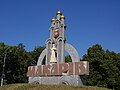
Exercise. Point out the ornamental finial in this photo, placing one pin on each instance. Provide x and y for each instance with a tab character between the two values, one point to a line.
62	17
53	20
59	12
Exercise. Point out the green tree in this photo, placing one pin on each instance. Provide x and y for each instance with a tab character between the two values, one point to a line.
36	53
68	58
16	64
17	61
104	67
2	45
95	56
111	67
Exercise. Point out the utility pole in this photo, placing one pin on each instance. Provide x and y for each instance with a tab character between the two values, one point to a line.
2	78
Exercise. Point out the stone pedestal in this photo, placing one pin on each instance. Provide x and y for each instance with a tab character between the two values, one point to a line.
74	80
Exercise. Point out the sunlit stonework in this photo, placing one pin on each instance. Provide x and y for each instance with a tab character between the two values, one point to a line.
54	70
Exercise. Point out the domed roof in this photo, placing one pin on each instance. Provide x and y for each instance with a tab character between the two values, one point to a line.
59	12
62	17
53	20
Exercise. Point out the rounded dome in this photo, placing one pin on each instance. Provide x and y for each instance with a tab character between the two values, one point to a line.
62	17
59	12
53	20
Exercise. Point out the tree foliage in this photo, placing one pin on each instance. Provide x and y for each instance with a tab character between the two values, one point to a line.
104	67
68	58
17	62
36	53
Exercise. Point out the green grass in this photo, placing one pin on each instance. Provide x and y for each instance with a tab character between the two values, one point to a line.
47	87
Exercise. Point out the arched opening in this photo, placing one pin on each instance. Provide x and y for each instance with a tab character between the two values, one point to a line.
65	83
49	42
36	82
72	52
44	60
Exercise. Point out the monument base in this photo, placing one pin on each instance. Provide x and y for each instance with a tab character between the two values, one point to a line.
74	80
